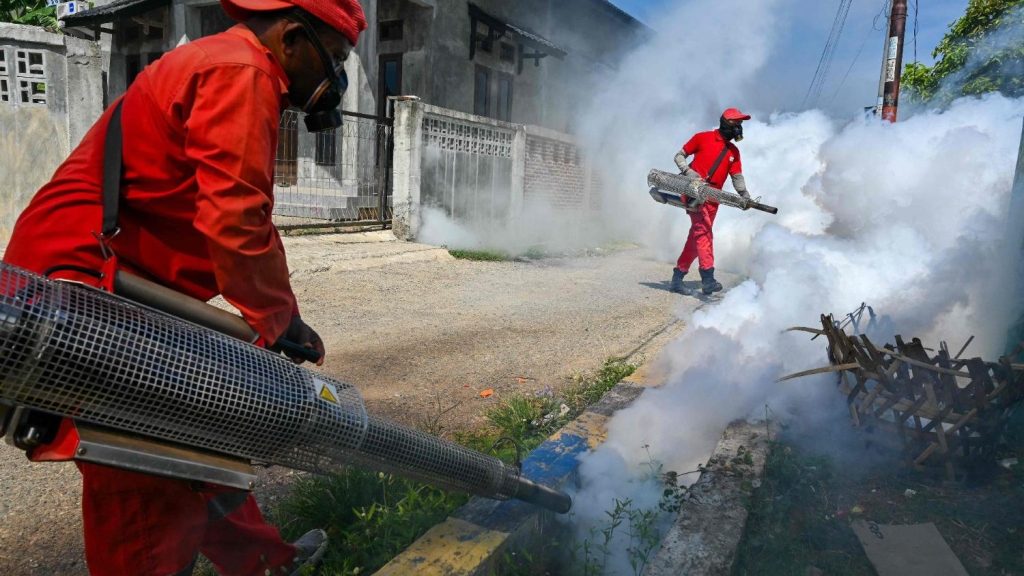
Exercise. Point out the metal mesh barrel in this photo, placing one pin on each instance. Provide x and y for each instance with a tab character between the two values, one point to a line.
692	187
75	351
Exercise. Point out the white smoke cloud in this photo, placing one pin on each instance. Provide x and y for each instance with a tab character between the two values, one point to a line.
909	217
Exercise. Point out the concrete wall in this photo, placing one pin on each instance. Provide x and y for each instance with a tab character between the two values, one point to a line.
479	170
36	136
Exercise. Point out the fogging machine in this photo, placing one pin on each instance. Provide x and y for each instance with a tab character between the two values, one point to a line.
689	193
125	380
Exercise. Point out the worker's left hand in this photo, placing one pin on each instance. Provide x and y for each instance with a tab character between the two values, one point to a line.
746	196
300	333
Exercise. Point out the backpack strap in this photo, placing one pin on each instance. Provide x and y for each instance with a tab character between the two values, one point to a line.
718	162
112	168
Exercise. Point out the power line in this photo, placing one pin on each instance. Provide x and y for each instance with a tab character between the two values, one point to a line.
882	16
828	53
847	75
883	13
915	29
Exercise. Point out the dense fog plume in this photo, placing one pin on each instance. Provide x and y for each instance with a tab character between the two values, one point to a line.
911	218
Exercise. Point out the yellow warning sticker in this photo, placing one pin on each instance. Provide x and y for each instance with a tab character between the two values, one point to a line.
326	391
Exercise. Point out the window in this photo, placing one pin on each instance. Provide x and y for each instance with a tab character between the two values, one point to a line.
132	67
508	52
504	93
485	42
389	81
5	83
31	76
326	148
213	19
493	94
482	92
391	30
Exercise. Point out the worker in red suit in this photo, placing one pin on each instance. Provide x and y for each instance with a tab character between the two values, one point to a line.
200	129
714	158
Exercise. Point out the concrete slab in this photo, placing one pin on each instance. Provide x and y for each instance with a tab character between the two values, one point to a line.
710	524
907	550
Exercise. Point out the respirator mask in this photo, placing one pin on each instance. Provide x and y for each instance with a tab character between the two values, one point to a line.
730	131
321	109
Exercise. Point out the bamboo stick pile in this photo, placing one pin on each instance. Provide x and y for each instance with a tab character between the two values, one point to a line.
944	409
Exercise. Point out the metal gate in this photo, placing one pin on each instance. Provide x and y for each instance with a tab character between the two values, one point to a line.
341	177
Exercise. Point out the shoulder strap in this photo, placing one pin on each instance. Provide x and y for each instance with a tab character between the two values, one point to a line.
718	162
112	173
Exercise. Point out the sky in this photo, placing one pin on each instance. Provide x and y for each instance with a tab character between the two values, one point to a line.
796	57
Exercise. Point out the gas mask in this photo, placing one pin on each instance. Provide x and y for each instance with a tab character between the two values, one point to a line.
321	109
730	131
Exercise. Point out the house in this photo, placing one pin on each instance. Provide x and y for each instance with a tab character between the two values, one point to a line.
522	62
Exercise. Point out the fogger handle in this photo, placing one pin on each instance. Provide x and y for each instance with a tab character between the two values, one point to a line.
194	310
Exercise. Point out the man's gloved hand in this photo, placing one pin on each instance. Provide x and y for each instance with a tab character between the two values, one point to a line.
740	184
300	333
746	196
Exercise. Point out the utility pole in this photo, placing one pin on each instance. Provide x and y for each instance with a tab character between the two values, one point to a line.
881	70
894	60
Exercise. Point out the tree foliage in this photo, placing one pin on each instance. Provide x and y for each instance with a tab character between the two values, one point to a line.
982	52
29	12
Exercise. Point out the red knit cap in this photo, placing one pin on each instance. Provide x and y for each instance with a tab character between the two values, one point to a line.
345	16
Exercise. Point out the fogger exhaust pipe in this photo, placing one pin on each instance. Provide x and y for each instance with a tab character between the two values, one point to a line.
78	352
668	188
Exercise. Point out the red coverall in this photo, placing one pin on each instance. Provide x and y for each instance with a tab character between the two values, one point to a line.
706	147
200	135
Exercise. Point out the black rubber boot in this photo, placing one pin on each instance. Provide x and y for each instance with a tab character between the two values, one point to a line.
708	284
677	283
309	552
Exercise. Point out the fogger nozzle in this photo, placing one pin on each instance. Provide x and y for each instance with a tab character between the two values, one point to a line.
78	352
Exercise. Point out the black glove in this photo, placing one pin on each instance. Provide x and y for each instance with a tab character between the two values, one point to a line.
300	343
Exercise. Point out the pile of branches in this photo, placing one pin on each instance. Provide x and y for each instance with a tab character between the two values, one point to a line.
943	409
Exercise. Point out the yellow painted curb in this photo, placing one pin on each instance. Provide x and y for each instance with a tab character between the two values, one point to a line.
454	547
589	425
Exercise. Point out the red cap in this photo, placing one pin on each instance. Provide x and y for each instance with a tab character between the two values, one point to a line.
345	16
735	114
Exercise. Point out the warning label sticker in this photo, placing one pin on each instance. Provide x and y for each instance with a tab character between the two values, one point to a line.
326	391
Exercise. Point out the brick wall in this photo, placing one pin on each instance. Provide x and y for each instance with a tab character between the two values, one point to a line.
555	173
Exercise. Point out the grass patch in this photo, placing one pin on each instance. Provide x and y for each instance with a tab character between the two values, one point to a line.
529	420
480	255
535	253
792	524
370	517
800	516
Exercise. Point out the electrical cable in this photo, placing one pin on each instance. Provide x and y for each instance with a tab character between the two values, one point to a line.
874	28
916	2
827	53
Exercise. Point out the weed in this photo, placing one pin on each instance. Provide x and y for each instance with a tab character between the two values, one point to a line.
584	391
520	417
480	255
535	253
433	423
529	420
643	529
369	517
